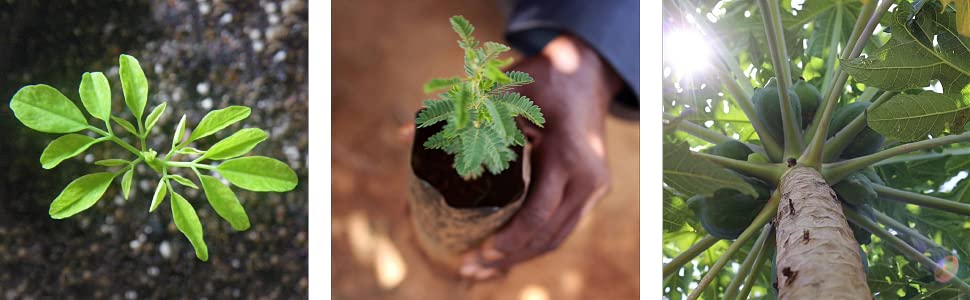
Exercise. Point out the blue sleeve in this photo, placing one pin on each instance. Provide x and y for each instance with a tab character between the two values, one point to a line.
611	27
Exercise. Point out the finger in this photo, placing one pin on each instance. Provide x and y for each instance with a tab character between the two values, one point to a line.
538	208
581	196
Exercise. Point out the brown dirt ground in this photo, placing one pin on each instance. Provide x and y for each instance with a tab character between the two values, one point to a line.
383	51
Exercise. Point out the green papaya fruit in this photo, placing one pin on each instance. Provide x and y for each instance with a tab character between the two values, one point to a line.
870	173
810	98
856	189
731	149
727	213
864	237
763	189
767	103
867	142
757	158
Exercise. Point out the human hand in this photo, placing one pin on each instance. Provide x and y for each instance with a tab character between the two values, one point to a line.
573	87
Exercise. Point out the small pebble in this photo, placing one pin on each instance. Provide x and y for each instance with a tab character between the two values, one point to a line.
165	249
202	88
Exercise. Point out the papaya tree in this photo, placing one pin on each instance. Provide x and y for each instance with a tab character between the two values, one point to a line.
816	149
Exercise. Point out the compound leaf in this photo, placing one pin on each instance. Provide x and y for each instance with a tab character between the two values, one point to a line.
96	95
133	84
521	105
440	84
45	109
434	111
80	194
259	174
236	145
64	147
224	201
188	223
218	119
479	146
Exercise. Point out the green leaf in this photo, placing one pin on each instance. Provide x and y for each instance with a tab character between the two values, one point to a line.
64	147
434	111
906	117
190	150
152	118
96	95
441	141
159	195
495	74
440	84
502	120
218	119
259	174
521	105
126	125
126	182
480	146
224	201
80	194
461	100
188	223
464	30
236	145
113	162
183	181
516	78
691	175
179	132
909	60
45	109
134	84
493	48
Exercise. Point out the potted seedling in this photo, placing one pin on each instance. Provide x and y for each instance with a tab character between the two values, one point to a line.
469	158
43	108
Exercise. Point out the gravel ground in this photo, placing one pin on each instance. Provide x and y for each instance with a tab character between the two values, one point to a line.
198	56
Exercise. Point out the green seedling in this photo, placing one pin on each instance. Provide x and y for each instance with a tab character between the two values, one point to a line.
480	109
43	108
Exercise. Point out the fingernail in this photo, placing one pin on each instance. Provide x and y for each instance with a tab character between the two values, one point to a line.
485	274
491	254
469	270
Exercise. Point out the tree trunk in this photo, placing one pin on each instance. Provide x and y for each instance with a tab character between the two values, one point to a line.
817	258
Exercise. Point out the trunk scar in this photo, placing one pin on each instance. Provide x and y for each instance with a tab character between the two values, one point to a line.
790	275
805	237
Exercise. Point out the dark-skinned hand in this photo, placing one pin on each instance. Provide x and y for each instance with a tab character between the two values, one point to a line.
573	87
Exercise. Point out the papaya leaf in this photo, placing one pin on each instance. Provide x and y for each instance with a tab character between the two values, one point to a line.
907	117
64	147
80	194
691	175
45	109
910	60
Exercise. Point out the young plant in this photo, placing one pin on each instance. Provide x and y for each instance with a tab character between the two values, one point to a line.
43	108
480	109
